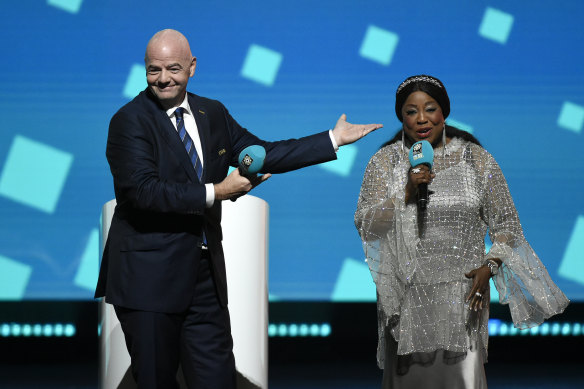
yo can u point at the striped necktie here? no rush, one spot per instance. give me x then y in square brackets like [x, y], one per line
[188, 142]
[191, 150]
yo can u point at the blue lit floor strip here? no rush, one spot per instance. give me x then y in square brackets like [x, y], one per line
[501, 328]
[299, 330]
[39, 330]
[496, 328]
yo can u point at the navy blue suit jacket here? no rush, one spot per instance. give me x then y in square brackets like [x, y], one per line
[153, 247]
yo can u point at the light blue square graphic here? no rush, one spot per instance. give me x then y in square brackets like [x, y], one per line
[344, 163]
[261, 65]
[494, 292]
[379, 45]
[14, 278]
[354, 282]
[34, 174]
[88, 269]
[496, 25]
[136, 81]
[572, 266]
[71, 6]
[460, 125]
[571, 117]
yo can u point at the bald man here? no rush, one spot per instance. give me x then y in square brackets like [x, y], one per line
[163, 267]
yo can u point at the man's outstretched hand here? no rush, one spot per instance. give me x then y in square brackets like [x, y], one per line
[345, 132]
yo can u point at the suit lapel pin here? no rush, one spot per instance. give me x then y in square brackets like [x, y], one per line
[202, 112]
[222, 151]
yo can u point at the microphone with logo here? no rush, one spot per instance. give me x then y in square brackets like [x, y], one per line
[422, 153]
[251, 160]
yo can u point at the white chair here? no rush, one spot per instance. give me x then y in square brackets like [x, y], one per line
[245, 242]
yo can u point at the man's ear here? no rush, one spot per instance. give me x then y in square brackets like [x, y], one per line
[193, 66]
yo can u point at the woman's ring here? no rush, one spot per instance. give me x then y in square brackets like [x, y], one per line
[478, 295]
[416, 170]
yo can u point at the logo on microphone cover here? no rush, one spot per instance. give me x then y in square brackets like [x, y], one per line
[417, 151]
[247, 160]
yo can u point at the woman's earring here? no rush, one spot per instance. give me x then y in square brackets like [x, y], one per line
[403, 141]
[444, 140]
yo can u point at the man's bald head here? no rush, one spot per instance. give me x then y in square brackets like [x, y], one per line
[169, 65]
[168, 39]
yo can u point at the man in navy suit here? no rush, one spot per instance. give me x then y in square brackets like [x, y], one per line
[163, 267]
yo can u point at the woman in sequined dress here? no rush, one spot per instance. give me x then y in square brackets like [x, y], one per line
[433, 286]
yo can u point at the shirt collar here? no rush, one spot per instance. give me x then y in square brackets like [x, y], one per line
[184, 104]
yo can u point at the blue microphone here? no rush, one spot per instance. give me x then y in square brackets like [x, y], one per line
[422, 153]
[251, 160]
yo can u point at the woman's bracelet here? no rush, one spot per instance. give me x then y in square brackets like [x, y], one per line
[493, 266]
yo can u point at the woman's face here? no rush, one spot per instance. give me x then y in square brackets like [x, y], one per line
[422, 118]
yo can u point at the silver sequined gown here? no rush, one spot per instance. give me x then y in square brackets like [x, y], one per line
[421, 287]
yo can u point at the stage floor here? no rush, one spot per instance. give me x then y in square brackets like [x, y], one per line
[354, 375]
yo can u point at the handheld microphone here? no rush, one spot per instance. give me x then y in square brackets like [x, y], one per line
[422, 153]
[251, 160]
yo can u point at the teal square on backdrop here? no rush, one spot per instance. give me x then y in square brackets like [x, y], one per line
[571, 117]
[88, 269]
[460, 125]
[496, 25]
[34, 174]
[136, 81]
[354, 282]
[572, 266]
[261, 65]
[72, 6]
[14, 278]
[379, 45]
[344, 162]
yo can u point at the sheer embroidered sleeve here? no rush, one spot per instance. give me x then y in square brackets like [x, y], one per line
[380, 210]
[523, 281]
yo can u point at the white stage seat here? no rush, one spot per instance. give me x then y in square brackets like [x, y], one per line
[245, 242]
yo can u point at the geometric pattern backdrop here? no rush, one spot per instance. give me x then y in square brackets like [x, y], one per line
[513, 71]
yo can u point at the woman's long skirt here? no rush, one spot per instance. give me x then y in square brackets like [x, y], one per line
[433, 370]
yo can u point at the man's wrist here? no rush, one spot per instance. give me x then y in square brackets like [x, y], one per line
[333, 141]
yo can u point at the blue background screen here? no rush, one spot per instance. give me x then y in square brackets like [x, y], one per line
[513, 71]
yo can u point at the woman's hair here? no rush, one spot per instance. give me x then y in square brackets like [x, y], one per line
[451, 132]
